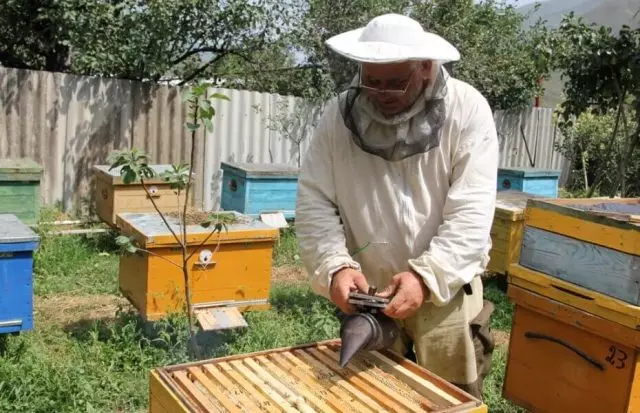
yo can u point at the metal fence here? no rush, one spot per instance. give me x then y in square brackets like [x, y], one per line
[69, 123]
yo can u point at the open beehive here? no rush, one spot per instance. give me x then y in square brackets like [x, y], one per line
[305, 379]
[231, 270]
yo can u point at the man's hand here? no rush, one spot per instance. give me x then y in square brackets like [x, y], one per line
[345, 281]
[408, 291]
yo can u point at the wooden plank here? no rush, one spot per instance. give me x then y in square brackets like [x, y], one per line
[217, 319]
[264, 403]
[291, 395]
[211, 387]
[193, 391]
[585, 264]
[389, 379]
[577, 224]
[366, 383]
[305, 392]
[162, 395]
[219, 377]
[573, 316]
[634, 400]
[576, 296]
[422, 386]
[263, 386]
[348, 384]
[455, 391]
[309, 381]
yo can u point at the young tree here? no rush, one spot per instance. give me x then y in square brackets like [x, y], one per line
[135, 168]
[602, 74]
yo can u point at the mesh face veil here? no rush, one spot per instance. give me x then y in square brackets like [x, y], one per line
[414, 131]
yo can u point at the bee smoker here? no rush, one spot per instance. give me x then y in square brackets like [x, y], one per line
[368, 329]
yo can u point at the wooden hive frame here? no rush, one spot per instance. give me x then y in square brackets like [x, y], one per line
[305, 378]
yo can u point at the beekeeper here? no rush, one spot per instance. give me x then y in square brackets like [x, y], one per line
[397, 189]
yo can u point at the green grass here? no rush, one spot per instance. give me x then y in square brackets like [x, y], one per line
[76, 264]
[501, 317]
[102, 365]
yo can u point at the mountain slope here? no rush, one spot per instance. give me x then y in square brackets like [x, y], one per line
[612, 13]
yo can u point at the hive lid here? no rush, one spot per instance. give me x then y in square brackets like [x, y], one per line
[13, 230]
[530, 172]
[19, 169]
[150, 229]
[511, 204]
[264, 170]
[116, 179]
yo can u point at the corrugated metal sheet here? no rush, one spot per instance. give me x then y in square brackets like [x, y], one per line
[254, 127]
[527, 140]
[68, 123]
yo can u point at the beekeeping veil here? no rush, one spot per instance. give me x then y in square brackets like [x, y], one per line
[395, 38]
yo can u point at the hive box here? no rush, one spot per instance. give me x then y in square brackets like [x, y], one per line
[541, 182]
[17, 243]
[506, 231]
[113, 196]
[590, 243]
[305, 379]
[562, 359]
[237, 275]
[20, 189]
[253, 189]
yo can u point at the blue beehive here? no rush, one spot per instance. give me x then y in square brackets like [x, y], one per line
[17, 243]
[253, 188]
[542, 182]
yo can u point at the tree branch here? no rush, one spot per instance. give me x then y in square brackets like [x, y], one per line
[206, 49]
[160, 256]
[159, 212]
[200, 70]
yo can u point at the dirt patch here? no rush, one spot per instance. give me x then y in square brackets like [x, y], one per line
[197, 217]
[500, 337]
[63, 310]
[289, 273]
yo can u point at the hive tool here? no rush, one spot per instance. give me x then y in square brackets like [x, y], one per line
[368, 329]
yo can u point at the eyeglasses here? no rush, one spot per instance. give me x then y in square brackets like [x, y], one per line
[386, 91]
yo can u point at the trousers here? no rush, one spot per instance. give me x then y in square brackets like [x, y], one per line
[483, 344]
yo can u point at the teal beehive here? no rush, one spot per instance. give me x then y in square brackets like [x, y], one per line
[536, 181]
[255, 188]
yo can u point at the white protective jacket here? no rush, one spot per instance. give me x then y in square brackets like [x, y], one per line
[431, 212]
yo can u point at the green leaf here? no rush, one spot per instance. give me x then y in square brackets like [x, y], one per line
[208, 124]
[192, 126]
[220, 96]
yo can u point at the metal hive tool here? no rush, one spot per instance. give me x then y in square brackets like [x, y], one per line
[368, 329]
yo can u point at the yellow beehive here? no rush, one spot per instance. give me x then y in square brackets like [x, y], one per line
[589, 243]
[231, 269]
[563, 359]
[112, 195]
[506, 231]
[305, 379]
